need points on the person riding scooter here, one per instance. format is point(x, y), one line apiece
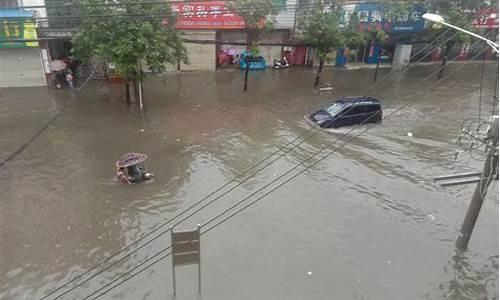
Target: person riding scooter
point(282, 63)
point(130, 168)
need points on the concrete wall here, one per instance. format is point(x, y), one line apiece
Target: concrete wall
point(39, 12)
point(21, 67)
point(402, 55)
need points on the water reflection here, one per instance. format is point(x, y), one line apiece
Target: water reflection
point(470, 280)
point(61, 212)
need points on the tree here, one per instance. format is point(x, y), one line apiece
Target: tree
point(457, 12)
point(353, 38)
point(321, 30)
point(129, 35)
point(258, 16)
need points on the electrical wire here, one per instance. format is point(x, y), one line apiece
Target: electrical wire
point(216, 190)
point(307, 7)
point(287, 7)
point(118, 4)
point(436, 71)
point(32, 139)
point(319, 151)
point(246, 206)
point(184, 211)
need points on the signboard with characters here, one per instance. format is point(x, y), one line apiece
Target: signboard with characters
point(206, 15)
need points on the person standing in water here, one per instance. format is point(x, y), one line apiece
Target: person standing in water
point(122, 176)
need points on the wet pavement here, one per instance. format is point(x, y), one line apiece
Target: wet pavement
point(366, 223)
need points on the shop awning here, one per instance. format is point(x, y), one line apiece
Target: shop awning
point(15, 13)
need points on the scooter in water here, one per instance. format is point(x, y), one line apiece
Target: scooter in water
point(281, 63)
point(130, 168)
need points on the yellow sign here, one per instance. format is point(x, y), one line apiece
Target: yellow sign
point(30, 34)
point(12, 30)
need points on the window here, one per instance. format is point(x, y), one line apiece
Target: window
point(355, 110)
point(335, 109)
point(370, 108)
point(8, 3)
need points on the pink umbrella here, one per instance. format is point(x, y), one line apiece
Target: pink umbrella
point(57, 65)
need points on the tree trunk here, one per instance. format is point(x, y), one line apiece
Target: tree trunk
point(252, 38)
point(247, 67)
point(320, 68)
point(141, 95)
point(444, 59)
point(127, 92)
point(376, 69)
point(364, 54)
point(136, 94)
point(249, 39)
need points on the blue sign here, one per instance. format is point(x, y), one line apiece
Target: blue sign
point(373, 16)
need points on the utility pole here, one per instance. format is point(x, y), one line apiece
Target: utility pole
point(489, 173)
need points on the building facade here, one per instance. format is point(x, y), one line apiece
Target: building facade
point(20, 57)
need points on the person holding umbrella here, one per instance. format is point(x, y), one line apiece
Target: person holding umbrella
point(57, 67)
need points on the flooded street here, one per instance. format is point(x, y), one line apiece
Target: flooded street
point(367, 222)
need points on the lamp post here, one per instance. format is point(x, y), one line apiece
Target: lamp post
point(490, 169)
point(440, 20)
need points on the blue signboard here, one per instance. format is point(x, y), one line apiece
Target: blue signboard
point(373, 16)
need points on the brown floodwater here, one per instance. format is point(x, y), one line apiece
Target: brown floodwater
point(367, 222)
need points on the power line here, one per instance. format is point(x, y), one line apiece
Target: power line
point(287, 7)
point(115, 4)
point(254, 201)
point(203, 199)
point(167, 230)
point(69, 19)
point(32, 139)
point(316, 153)
point(77, 277)
point(263, 195)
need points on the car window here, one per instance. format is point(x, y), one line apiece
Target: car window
point(370, 108)
point(354, 110)
point(335, 108)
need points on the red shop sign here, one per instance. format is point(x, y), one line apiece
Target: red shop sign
point(487, 18)
point(206, 15)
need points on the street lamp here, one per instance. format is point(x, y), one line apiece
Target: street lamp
point(440, 20)
point(490, 168)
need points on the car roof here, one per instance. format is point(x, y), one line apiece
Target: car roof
point(358, 100)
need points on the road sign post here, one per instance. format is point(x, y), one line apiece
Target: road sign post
point(185, 251)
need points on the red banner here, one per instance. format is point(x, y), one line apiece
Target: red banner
point(206, 15)
point(487, 18)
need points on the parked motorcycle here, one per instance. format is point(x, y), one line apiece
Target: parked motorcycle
point(281, 63)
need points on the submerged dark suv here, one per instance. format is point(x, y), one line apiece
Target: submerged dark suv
point(347, 112)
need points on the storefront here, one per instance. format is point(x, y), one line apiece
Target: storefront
point(200, 23)
point(372, 18)
point(215, 37)
point(20, 62)
point(233, 43)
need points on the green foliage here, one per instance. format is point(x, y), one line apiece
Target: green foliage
point(254, 50)
point(457, 12)
point(352, 36)
point(256, 13)
point(259, 16)
point(320, 27)
point(128, 35)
